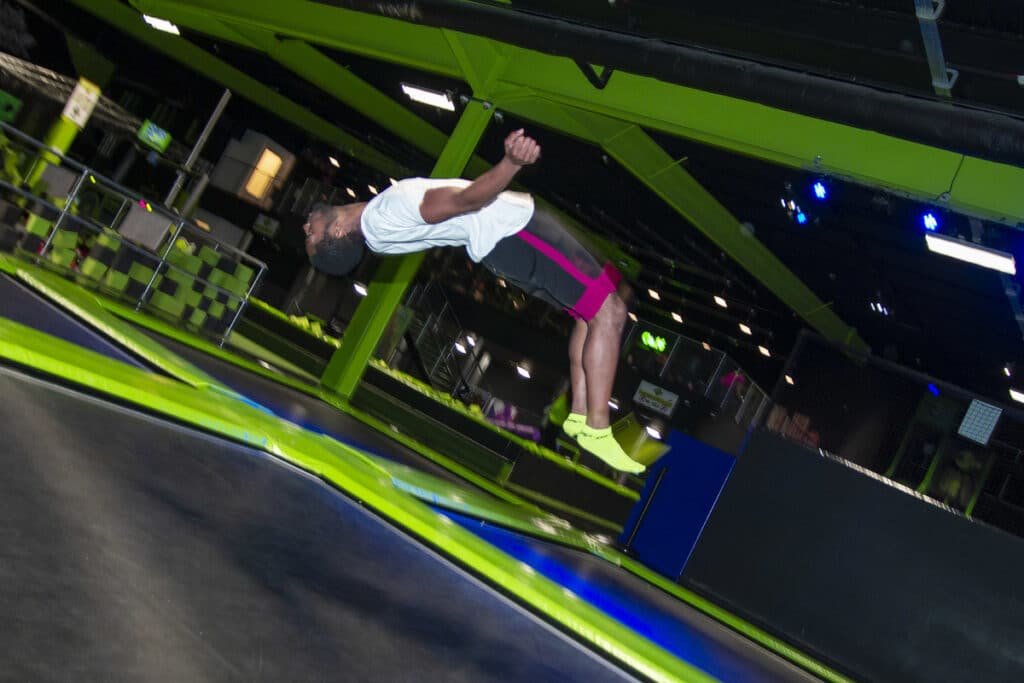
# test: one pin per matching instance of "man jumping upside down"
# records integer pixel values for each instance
(528, 247)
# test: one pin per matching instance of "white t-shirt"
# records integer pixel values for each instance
(392, 223)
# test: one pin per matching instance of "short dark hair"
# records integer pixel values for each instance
(338, 255)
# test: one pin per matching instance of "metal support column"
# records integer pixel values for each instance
(928, 14)
(394, 275)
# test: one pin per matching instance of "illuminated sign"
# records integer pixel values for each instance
(153, 136)
(653, 342)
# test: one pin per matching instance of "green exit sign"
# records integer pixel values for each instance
(653, 342)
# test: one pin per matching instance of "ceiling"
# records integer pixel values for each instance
(862, 246)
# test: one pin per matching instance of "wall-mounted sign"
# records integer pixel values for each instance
(655, 398)
(653, 342)
(154, 136)
(81, 103)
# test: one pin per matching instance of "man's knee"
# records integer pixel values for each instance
(613, 312)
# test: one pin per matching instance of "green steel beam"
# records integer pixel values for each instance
(385, 293)
(982, 188)
(128, 21)
(644, 158)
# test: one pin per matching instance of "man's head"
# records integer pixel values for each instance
(334, 240)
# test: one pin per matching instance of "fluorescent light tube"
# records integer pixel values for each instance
(441, 100)
(972, 253)
(161, 24)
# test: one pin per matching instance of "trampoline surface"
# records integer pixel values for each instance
(136, 549)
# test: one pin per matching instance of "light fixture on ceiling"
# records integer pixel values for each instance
(801, 218)
(721, 302)
(763, 350)
(523, 371)
(392, 181)
(471, 340)
(613, 404)
(653, 432)
(441, 100)
(930, 222)
(707, 347)
(351, 192)
(334, 162)
(789, 380)
(678, 318)
(1007, 371)
(972, 253)
(654, 295)
(372, 189)
(360, 288)
(460, 348)
(745, 329)
(161, 24)
(632, 316)
(820, 190)
(1017, 396)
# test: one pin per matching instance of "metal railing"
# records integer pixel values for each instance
(85, 180)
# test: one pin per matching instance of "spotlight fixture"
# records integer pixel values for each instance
(764, 351)
(460, 348)
(441, 100)
(471, 340)
(930, 222)
(334, 162)
(721, 302)
(972, 253)
(707, 347)
(801, 218)
(678, 318)
(161, 24)
(632, 316)
(745, 329)
(789, 380)
(820, 190)
(360, 288)
(372, 189)
(654, 295)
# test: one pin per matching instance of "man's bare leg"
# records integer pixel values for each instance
(577, 418)
(600, 360)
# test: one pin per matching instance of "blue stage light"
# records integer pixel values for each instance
(801, 218)
(820, 191)
(934, 389)
(931, 223)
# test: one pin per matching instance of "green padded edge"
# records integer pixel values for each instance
(88, 308)
(350, 472)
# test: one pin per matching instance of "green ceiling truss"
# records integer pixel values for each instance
(494, 71)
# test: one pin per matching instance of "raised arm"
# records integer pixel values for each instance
(443, 203)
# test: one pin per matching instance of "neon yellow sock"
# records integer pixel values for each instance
(602, 443)
(574, 424)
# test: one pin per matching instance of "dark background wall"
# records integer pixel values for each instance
(879, 583)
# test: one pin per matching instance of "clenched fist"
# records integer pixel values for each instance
(520, 149)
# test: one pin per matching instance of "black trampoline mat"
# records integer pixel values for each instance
(134, 549)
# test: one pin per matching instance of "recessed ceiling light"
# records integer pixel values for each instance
(372, 188)
(471, 340)
(678, 318)
(523, 372)
(745, 329)
(632, 316)
(1017, 396)
(653, 432)
(393, 181)
(654, 295)
(1007, 371)
(360, 288)
(721, 302)
(334, 162)
(460, 348)
(764, 351)
(351, 192)
(707, 347)
(789, 380)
